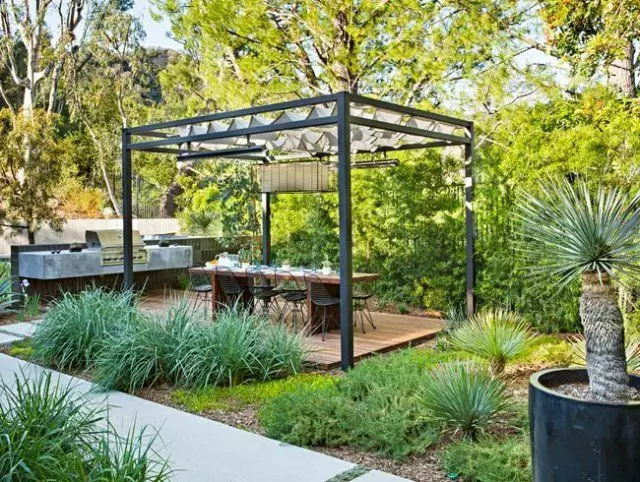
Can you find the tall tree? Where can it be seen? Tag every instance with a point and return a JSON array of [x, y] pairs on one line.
[[45, 50], [112, 61], [27, 186], [410, 50], [598, 34]]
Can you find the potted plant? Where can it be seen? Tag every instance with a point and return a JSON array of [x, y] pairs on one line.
[[585, 424]]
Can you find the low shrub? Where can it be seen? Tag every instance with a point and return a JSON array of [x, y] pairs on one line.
[[76, 326], [494, 335], [463, 396], [374, 407], [489, 460], [48, 433]]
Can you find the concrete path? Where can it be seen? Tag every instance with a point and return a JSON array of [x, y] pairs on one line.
[[23, 330], [200, 449]]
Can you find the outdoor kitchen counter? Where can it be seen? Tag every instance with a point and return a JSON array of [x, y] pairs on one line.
[[45, 265]]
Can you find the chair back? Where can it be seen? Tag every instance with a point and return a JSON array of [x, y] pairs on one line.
[[288, 282], [257, 280], [198, 277], [317, 290], [228, 281]]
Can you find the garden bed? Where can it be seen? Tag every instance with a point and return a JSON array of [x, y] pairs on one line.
[[383, 414]]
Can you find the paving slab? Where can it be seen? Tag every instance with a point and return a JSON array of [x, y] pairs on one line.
[[197, 448], [24, 329], [7, 339], [377, 476]]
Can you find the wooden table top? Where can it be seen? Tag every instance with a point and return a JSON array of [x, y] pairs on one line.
[[279, 273]]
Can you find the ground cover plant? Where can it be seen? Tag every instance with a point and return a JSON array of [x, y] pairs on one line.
[[49, 433]]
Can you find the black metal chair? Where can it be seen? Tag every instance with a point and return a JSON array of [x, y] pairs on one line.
[[321, 297], [200, 284], [361, 309], [262, 291], [294, 294], [231, 287]]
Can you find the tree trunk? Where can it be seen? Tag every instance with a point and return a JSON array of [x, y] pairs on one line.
[[622, 73], [31, 235], [604, 335]]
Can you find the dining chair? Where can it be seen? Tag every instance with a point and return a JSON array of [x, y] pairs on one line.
[[230, 285], [262, 291], [200, 284], [361, 309], [321, 297], [294, 293]]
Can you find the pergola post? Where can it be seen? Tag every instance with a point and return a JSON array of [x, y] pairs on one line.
[[470, 222], [344, 211], [127, 210], [266, 228]]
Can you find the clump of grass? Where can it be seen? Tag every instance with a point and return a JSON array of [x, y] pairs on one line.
[[48, 433], [22, 349], [142, 353], [494, 335], [238, 347], [489, 459], [631, 348], [76, 326], [463, 396]]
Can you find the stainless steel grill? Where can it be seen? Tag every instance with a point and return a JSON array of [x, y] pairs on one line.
[[110, 244]]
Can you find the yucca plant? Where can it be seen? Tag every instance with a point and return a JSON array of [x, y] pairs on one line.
[[571, 233], [494, 335], [463, 396], [631, 345]]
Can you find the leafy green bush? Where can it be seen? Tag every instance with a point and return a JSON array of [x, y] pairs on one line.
[[76, 326], [489, 460], [494, 335], [46, 433], [463, 396], [375, 407]]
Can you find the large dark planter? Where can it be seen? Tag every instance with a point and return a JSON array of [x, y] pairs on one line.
[[578, 440]]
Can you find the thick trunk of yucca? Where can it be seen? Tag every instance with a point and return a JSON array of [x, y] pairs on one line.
[[604, 335]]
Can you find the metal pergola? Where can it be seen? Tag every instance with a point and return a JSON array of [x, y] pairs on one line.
[[340, 125]]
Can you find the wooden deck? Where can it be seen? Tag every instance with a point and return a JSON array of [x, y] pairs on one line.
[[392, 332]]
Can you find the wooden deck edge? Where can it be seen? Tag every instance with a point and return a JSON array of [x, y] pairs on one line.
[[326, 366]]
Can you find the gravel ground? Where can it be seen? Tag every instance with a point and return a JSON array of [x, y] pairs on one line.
[[581, 391]]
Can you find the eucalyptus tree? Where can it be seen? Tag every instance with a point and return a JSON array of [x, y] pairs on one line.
[[596, 35], [572, 233]]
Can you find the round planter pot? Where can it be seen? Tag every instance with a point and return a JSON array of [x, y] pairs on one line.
[[576, 440]]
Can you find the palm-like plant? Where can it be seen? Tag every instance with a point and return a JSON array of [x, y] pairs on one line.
[[495, 335], [572, 233]]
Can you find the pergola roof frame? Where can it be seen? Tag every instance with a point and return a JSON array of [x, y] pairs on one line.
[[189, 147]]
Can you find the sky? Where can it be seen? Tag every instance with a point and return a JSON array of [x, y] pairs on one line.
[[157, 32]]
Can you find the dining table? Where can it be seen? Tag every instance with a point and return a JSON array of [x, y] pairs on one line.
[[331, 281]]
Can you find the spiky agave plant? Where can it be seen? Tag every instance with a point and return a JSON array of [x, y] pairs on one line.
[[570, 232]]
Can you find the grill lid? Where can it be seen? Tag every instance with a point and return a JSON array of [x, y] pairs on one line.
[[110, 238]]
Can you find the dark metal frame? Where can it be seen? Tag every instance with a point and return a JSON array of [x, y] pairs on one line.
[[343, 121]]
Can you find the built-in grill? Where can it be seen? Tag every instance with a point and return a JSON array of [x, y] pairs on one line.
[[110, 244]]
